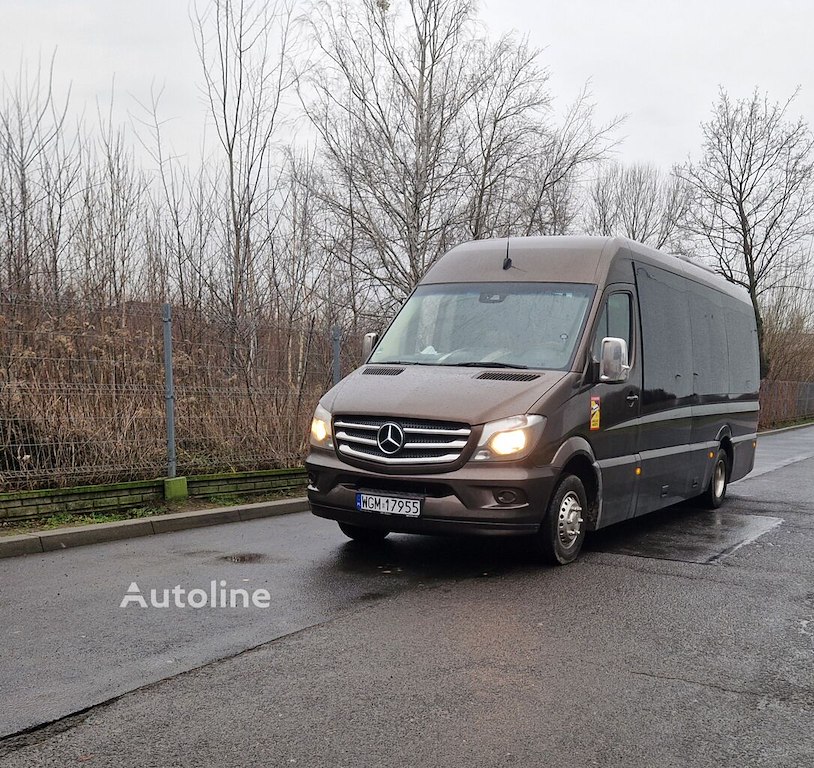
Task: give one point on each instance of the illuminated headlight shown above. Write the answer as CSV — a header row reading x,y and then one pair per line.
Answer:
x,y
321,429
511,438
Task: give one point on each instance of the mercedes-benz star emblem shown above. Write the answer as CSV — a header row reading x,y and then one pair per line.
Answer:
x,y
390,438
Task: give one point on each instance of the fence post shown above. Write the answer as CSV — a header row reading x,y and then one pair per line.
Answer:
x,y
169,390
336,338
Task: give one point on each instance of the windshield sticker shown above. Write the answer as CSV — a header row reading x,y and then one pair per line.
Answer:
x,y
594,413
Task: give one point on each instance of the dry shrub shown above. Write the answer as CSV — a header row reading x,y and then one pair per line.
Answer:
x,y
82,395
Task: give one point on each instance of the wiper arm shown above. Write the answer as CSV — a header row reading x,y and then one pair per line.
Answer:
x,y
468,364
399,362
485,364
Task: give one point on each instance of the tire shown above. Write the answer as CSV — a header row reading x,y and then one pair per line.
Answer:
x,y
715,494
363,535
563,528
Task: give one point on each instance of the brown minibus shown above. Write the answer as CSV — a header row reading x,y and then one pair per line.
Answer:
x,y
546,386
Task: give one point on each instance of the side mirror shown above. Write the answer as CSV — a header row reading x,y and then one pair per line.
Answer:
x,y
369,344
613,363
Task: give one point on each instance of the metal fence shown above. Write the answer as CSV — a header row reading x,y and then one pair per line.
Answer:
x,y
84,397
784,402
84,393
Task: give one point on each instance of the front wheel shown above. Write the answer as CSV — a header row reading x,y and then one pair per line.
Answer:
x,y
715,494
363,535
563,529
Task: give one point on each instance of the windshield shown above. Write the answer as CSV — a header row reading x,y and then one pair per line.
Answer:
x,y
523,325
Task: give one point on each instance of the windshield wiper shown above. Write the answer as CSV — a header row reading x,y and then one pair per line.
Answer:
x,y
485,364
399,362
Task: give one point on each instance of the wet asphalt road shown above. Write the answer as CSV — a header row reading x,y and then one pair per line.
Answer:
x,y
683,639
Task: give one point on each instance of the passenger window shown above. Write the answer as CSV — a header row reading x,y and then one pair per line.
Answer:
x,y
666,334
614,321
710,369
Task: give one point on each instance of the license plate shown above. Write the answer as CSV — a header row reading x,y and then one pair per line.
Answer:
x,y
388,505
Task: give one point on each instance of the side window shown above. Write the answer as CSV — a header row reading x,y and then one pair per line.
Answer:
x,y
741,334
710,369
614,320
666,334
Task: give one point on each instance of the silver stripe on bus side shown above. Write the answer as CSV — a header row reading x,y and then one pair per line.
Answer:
x,y
687,412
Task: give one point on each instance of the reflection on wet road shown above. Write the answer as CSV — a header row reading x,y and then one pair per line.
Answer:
x,y
684,534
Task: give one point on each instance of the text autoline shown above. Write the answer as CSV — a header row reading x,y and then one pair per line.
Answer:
x,y
217,596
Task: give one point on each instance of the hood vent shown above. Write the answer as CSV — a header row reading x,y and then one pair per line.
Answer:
x,y
382,371
508,376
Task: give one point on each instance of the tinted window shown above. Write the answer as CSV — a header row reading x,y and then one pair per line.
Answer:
x,y
666,334
744,372
710,353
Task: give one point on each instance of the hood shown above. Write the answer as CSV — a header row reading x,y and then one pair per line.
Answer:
x,y
438,393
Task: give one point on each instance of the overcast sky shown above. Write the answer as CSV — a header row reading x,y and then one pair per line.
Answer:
x,y
658,61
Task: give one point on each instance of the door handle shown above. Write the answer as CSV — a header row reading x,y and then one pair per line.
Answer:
x,y
632,399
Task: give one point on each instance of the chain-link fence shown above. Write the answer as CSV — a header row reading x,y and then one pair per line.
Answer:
x,y
83,396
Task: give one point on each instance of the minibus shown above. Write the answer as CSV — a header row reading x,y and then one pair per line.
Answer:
x,y
546,386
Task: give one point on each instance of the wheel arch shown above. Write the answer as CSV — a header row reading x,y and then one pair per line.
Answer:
x,y
576,457
725,441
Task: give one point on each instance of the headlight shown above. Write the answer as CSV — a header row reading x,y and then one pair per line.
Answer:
x,y
321,436
511,438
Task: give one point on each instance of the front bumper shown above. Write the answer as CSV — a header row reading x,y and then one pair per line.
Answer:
x,y
464,500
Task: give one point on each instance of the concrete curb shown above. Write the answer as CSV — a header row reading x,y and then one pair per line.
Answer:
x,y
786,429
62,538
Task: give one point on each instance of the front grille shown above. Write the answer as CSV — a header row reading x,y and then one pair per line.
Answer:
x,y
424,442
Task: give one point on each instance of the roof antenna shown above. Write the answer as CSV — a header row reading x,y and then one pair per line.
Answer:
x,y
507,262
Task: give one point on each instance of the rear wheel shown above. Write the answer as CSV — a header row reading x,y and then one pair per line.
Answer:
x,y
364,535
716,491
563,529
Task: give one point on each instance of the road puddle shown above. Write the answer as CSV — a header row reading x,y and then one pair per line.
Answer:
x,y
685,535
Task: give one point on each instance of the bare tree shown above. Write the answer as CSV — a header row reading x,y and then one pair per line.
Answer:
x,y
60,178
524,165
788,322
753,195
503,125
31,123
243,46
386,99
108,240
564,154
432,135
184,219
639,202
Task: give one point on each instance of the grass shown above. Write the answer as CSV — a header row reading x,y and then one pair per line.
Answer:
x,y
228,499
68,520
